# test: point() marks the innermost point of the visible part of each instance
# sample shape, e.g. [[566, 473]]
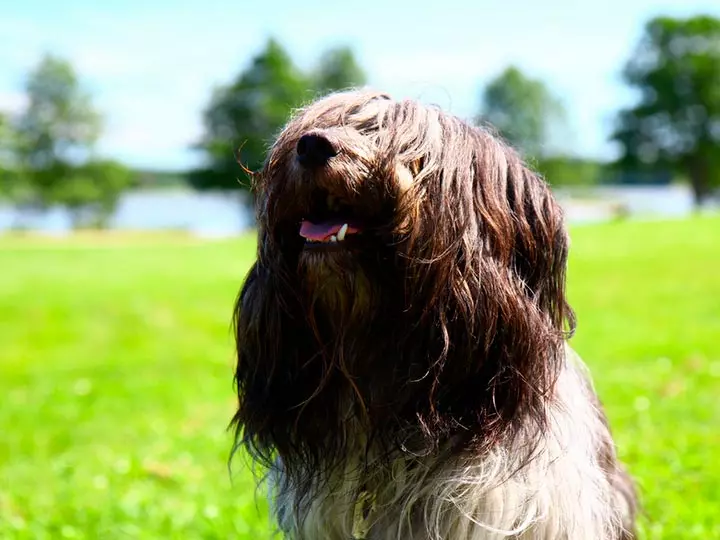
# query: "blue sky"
[[151, 65]]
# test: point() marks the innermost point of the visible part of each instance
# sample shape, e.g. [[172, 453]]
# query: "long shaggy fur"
[[424, 365]]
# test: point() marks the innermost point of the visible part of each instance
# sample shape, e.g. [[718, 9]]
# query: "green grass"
[[116, 366]]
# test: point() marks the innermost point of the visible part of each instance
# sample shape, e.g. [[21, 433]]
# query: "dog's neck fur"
[[564, 491]]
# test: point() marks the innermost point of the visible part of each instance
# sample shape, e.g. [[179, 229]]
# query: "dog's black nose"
[[314, 150]]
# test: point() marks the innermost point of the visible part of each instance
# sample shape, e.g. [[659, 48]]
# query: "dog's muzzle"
[[330, 223]]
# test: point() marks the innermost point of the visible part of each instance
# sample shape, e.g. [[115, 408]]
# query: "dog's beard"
[[337, 291], [346, 297]]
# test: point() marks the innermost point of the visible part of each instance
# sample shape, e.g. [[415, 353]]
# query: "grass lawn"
[[116, 366]]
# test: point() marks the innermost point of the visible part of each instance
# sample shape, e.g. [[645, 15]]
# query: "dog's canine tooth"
[[333, 238], [341, 232]]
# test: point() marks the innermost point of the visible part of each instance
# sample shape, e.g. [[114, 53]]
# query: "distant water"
[[218, 214], [201, 213]]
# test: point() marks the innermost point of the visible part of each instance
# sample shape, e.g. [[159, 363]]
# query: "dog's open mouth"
[[330, 222], [327, 231]]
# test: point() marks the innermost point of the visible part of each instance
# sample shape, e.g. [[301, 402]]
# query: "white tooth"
[[341, 232], [333, 238]]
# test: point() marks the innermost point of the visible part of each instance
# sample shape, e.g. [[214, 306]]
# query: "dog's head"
[[410, 277]]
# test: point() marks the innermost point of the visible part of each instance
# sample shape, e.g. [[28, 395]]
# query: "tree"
[[7, 141], [7, 150], [570, 171], [676, 123], [338, 69], [55, 140], [58, 128], [14, 185], [522, 109], [242, 118], [92, 191]]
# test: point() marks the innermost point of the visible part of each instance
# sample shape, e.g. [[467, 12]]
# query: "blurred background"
[[126, 228]]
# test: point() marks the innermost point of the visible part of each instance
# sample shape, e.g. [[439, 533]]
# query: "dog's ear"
[[264, 392], [540, 243], [254, 357], [486, 269], [484, 217]]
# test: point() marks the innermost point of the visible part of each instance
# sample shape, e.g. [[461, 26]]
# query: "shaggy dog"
[[402, 365]]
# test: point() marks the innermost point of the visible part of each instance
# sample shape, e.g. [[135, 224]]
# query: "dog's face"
[[338, 197], [410, 272]]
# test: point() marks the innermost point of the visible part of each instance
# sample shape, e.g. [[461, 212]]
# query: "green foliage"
[[116, 401], [338, 69], [160, 179], [8, 142], [14, 185], [245, 115], [242, 118], [570, 171], [560, 170], [7, 154], [16, 189], [676, 124], [92, 191], [50, 150], [58, 128], [522, 109], [59, 124]]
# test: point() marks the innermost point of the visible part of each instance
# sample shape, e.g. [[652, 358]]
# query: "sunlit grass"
[[116, 377], [647, 296], [116, 371]]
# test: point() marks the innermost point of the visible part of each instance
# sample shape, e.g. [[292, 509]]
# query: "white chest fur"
[[563, 493]]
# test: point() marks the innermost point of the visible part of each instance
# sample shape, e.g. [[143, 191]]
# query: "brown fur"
[[437, 335]]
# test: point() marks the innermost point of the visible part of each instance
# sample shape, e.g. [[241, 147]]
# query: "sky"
[[151, 66]]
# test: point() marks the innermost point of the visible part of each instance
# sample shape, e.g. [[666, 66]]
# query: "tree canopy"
[[338, 69], [8, 165], [242, 118], [7, 141], [53, 145], [60, 123], [91, 192], [58, 127], [676, 123], [522, 109]]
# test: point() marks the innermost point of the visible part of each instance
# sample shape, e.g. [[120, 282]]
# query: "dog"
[[403, 370]]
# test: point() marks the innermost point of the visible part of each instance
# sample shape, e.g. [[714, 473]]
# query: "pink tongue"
[[322, 231]]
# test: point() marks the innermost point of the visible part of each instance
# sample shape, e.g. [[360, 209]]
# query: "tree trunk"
[[699, 173]]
